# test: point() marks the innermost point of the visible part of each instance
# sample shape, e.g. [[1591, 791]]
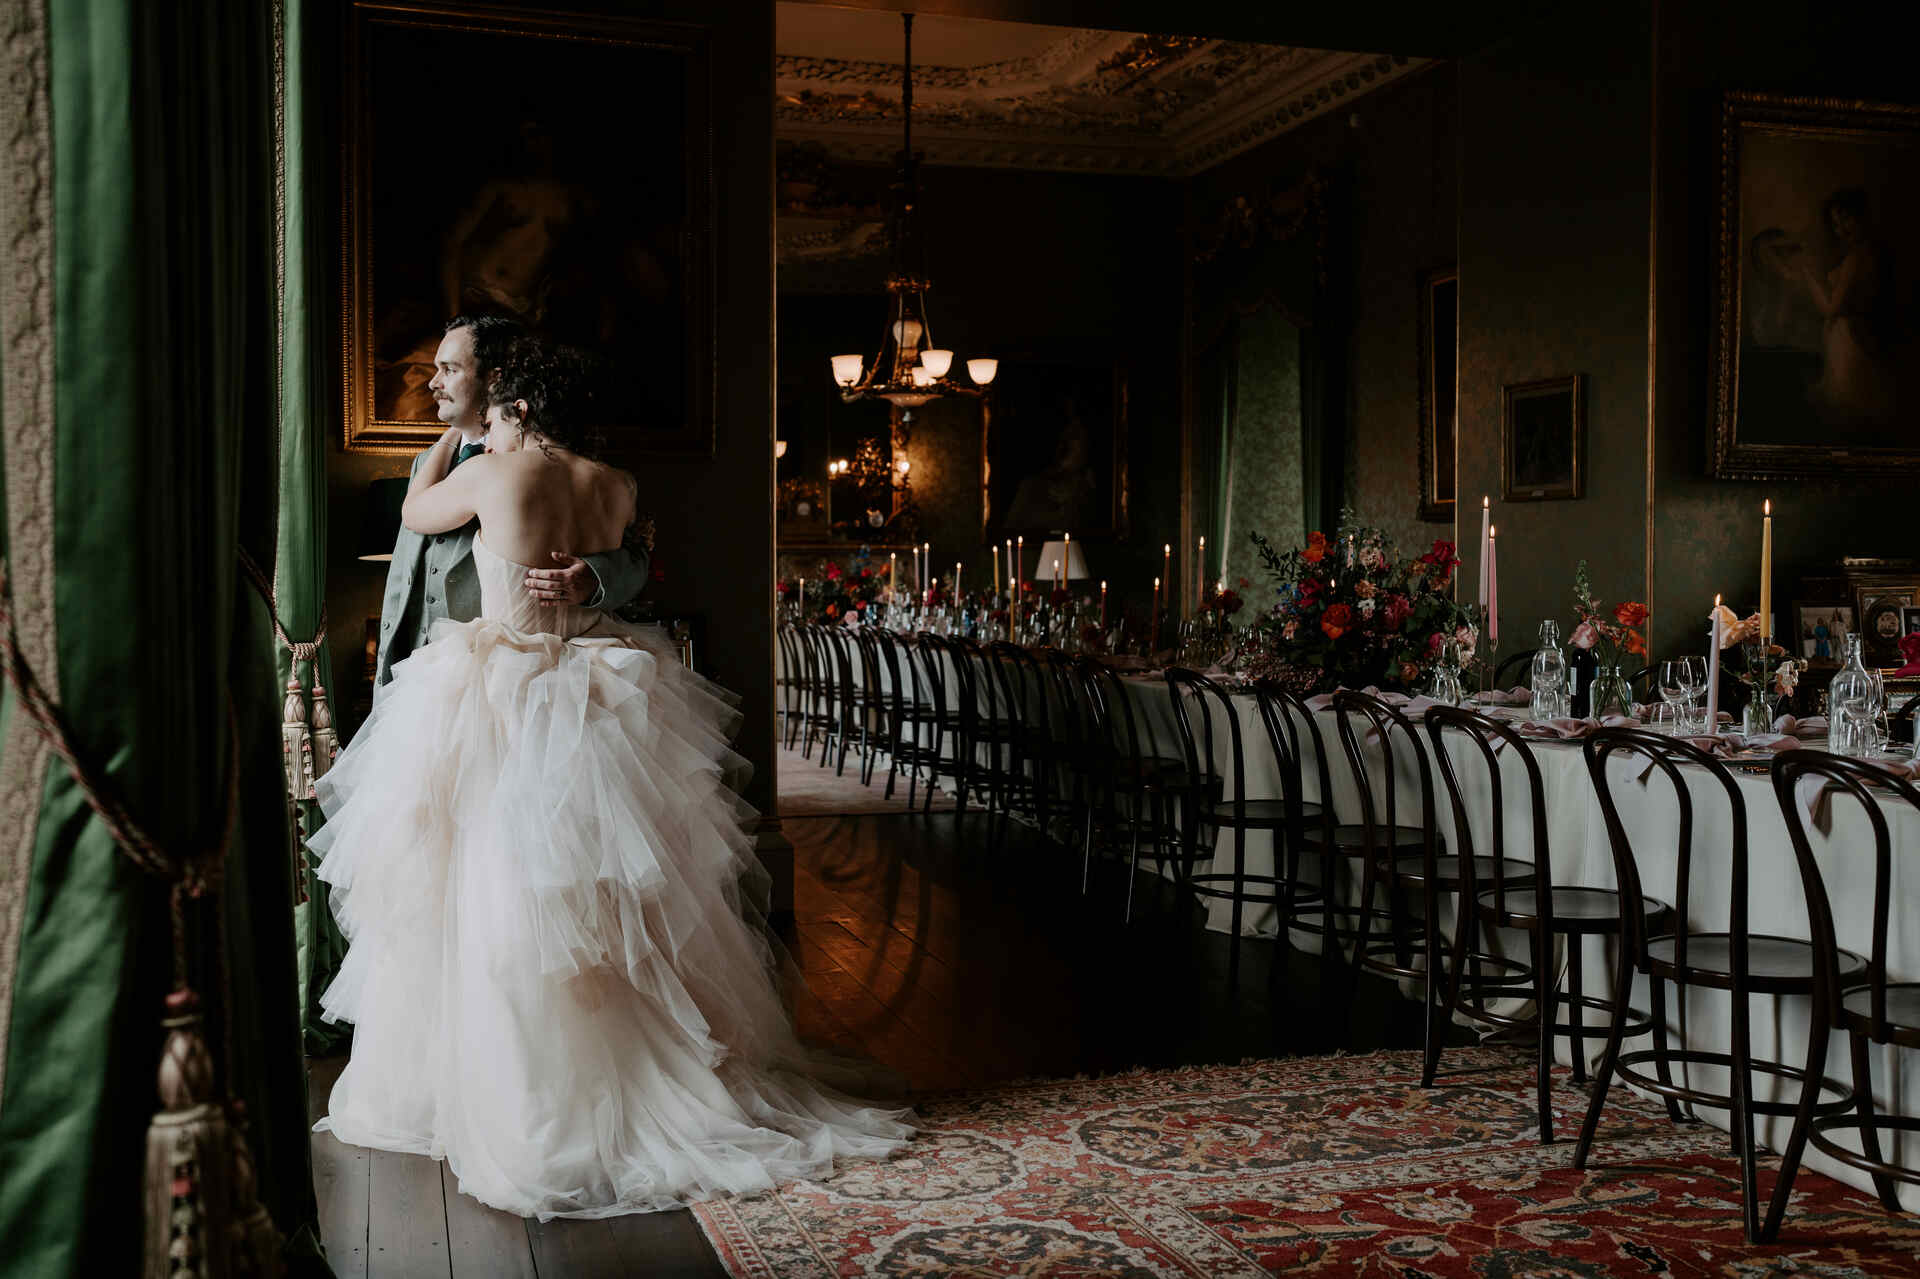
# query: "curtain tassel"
[[204, 1219], [326, 742], [296, 745]]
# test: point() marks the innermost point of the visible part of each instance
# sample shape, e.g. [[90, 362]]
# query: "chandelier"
[[909, 370]]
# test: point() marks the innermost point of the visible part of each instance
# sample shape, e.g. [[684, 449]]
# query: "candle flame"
[[1156, 583], [1485, 502], [1716, 601], [1493, 530], [1168, 548], [1766, 507]]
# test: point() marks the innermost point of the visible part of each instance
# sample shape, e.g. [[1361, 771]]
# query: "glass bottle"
[[1612, 694], [1549, 673], [1850, 704]]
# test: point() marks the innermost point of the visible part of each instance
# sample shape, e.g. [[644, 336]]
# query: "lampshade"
[[1072, 562], [922, 375], [846, 369], [937, 361], [779, 448], [380, 517], [982, 371], [907, 333]]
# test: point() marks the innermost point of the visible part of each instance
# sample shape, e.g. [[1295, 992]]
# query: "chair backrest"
[[819, 664], [1489, 737], [899, 679], [1198, 705], [1022, 688], [876, 691], [1671, 758], [1515, 666], [929, 653], [840, 647], [1072, 717], [1795, 771], [1287, 719], [1370, 729]]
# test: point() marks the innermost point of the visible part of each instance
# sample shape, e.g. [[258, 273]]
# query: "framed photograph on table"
[[1543, 437], [1053, 451], [1882, 614], [464, 196], [1819, 257], [1439, 347], [1820, 632]]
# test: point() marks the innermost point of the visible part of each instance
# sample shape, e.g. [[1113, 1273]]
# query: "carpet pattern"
[[1311, 1166]]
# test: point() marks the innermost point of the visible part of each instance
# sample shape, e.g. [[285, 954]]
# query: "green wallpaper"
[[1261, 483]]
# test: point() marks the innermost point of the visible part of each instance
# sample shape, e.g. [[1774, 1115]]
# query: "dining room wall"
[[1707, 531]]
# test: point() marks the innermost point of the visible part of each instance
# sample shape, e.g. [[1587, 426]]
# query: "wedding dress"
[[538, 862]]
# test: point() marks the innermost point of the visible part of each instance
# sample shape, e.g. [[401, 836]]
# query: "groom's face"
[[458, 391]]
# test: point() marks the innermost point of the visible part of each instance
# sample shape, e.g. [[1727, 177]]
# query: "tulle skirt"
[[555, 985]]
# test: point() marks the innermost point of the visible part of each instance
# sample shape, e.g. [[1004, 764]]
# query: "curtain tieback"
[[201, 1207], [308, 741]]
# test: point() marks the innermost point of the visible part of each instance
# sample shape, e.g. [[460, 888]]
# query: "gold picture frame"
[[457, 198], [1439, 328], [1543, 440], [1808, 377]]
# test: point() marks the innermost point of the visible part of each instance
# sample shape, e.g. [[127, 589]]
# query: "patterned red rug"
[[1321, 1166]]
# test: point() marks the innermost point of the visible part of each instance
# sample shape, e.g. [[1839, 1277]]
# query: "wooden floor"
[[923, 948]]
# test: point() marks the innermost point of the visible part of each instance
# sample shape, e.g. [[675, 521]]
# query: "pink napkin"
[[1568, 730], [1811, 794], [1811, 726], [1515, 696], [1411, 706]]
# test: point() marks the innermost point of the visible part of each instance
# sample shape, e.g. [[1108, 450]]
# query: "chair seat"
[[1448, 870], [1772, 962], [1903, 1006], [1353, 839], [1584, 910], [1258, 812]]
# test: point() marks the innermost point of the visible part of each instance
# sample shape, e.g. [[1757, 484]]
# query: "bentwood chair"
[[1132, 789], [793, 684], [872, 701], [839, 651], [952, 713], [1869, 1008], [1743, 963], [1205, 715], [1551, 914], [1403, 864], [1020, 694], [910, 713], [820, 718]]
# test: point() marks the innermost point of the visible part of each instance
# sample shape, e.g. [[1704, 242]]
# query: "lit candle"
[[1493, 593], [1166, 570], [1020, 564], [1013, 602], [1713, 670], [1056, 575], [803, 598], [1486, 535], [956, 585], [1103, 606], [926, 558], [1766, 573], [893, 576], [1349, 550], [996, 568], [1153, 625], [1066, 549]]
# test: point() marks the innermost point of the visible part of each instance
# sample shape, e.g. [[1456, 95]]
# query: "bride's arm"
[[436, 501]]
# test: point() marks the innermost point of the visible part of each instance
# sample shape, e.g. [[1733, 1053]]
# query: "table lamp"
[[1073, 564]]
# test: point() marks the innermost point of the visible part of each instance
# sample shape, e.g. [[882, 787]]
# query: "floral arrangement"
[[835, 593], [1609, 635], [1225, 600], [1351, 612]]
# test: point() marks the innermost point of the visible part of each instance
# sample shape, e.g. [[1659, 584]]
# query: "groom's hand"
[[571, 583]]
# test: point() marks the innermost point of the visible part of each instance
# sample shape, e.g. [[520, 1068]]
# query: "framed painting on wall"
[[1817, 359], [495, 195], [1053, 454], [1439, 346], [1543, 440]]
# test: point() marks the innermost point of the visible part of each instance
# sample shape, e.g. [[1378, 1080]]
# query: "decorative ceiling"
[[1014, 95]]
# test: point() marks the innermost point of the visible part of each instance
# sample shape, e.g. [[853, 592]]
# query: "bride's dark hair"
[[559, 384]]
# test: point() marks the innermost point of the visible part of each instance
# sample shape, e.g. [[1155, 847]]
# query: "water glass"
[[1694, 687], [1666, 717]]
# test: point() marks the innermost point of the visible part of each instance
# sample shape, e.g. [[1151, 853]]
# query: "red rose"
[[1336, 621], [1630, 613]]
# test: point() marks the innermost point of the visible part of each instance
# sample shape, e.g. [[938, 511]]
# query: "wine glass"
[[1676, 682], [1696, 687]]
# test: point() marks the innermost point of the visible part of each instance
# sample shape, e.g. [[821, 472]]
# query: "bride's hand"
[[571, 583]]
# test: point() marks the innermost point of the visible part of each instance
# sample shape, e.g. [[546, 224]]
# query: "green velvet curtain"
[[136, 330], [300, 561]]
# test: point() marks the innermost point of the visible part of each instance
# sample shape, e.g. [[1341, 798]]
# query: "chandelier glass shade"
[[908, 370]]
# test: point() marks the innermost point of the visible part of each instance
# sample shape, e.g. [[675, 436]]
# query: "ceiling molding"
[[1090, 102]]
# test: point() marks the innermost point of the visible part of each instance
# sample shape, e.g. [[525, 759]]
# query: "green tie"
[[467, 451]]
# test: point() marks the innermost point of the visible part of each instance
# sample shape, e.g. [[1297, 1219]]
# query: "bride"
[[536, 855]]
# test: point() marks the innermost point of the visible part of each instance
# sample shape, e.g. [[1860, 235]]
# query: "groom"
[[432, 577]]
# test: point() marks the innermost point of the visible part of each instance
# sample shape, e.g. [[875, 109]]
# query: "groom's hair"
[[493, 337]]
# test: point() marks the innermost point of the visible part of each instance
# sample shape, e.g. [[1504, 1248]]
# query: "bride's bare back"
[[535, 501]]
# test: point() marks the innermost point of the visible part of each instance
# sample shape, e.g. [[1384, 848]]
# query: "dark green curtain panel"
[[300, 562], [137, 327]]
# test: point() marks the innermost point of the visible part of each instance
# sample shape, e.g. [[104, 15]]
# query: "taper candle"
[[803, 599], [1713, 670], [1056, 575], [1153, 618], [1766, 572], [1103, 606], [1020, 564], [1486, 532], [956, 585], [1166, 568], [1200, 577], [926, 557], [893, 576], [994, 581], [1493, 591]]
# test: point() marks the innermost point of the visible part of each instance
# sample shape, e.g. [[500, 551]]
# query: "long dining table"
[[1580, 853]]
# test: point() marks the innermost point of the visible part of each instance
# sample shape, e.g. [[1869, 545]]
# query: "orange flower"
[[1315, 552], [1630, 613], [1336, 620], [1635, 644]]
